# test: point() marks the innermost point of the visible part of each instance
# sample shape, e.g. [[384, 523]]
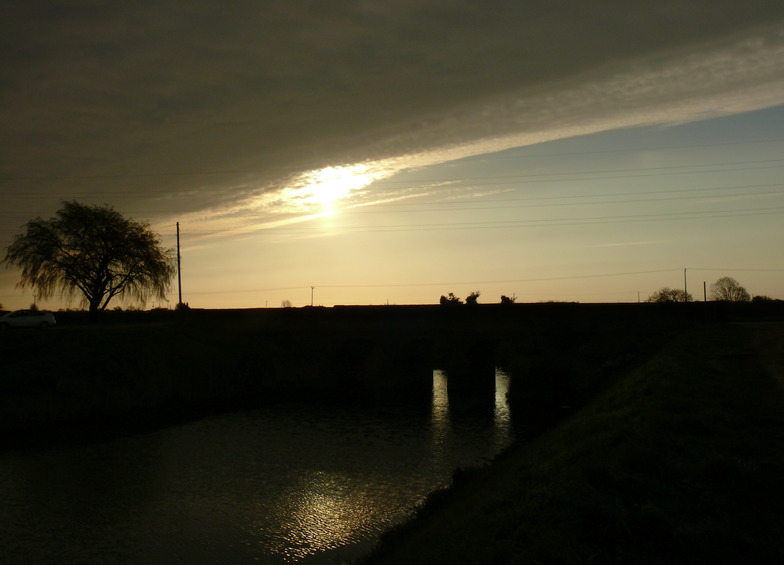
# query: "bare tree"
[[93, 251], [728, 289], [667, 294]]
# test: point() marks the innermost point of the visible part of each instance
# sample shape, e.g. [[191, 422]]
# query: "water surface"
[[283, 484]]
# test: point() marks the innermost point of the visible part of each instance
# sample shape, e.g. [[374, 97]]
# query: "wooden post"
[[179, 275]]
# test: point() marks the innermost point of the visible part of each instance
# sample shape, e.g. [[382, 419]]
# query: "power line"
[[483, 282], [534, 177], [511, 224], [493, 179], [510, 281], [521, 224], [601, 195], [453, 283], [501, 155], [534, 201], [548, 205], [247, 291], [736, 270], [552, 222]]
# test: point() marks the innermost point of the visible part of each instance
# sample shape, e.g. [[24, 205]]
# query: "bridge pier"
[[471, 376]]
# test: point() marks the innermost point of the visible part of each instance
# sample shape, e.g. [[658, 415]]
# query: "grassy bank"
[[680, 461]]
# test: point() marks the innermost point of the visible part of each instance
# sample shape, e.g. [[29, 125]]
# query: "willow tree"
[[92, 251]]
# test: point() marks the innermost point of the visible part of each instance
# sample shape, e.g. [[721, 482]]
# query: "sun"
[[328, 186]]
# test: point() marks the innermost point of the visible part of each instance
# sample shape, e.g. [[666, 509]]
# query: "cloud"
[[205, 107]]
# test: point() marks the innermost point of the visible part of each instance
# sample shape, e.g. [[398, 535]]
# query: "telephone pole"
[[311, 295], [685, 292], [179, 275]]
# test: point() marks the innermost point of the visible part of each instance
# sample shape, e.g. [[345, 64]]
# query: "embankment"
[[679, 461], [136, 370]]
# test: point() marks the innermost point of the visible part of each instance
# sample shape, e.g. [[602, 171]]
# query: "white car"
[[27, 319]]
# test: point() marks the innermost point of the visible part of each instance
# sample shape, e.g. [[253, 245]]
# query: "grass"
[[681, 461]]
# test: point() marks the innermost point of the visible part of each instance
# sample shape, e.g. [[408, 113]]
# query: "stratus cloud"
[[738, 77], [207, 107]]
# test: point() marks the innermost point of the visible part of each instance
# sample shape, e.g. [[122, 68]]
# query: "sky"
[[390, 152]]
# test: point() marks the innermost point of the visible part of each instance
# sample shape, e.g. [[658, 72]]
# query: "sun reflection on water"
[[325, 512], [321, 512], [440, 410], [502, 416]]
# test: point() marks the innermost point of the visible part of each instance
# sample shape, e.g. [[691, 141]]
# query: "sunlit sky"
[[391, 152]]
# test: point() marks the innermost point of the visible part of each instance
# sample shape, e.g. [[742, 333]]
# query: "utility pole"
[[311, 295], [179, 257], [704, 291], [685, 292]]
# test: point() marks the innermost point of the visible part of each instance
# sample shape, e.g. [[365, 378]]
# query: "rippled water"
[[294, 483]]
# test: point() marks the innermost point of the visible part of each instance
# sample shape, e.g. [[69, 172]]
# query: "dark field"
[[650, 433]]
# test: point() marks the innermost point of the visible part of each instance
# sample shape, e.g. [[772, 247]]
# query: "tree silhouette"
[[667, 294], [93, 251], [451, 299], [760, 299], [728, 289], [473, 297]]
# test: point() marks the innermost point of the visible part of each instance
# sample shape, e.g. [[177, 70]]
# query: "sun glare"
[[326, 187]]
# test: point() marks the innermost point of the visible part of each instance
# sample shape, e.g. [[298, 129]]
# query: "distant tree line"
[[726, 289], [452, 300]]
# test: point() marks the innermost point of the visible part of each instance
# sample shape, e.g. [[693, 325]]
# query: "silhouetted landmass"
[[136, 370], [647, 433], [679, 461]]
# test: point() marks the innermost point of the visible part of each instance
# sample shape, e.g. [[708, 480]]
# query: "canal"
[[295, 483]]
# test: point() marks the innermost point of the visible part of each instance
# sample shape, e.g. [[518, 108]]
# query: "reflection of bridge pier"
[[451, 403]]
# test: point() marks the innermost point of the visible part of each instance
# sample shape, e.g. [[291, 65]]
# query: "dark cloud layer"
[[215, 98]]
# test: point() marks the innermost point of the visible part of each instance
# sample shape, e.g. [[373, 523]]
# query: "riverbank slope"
[[680, 461]]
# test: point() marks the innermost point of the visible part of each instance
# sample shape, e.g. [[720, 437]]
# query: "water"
[[283, 484]]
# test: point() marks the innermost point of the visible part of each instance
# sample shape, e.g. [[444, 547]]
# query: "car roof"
[[29, 311]]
